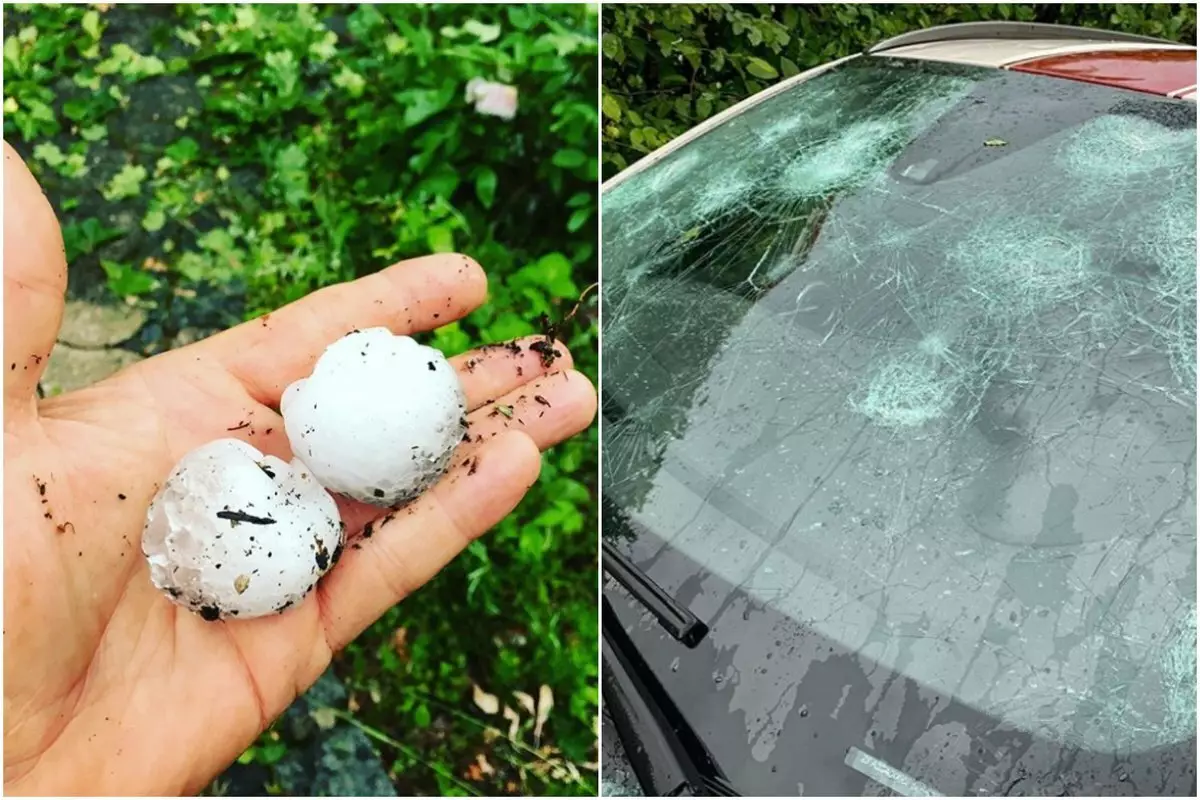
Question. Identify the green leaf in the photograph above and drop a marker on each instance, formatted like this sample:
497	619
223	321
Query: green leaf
49	153
126	183
271	752
569	159
218	240
610	43
440	239
283	71
610	107
125	281
91	24
520	18
81	238
483	32
154	220
12	53
578	218
421	104
187	37
94	133
351	81
761	69
485	186
395	44
324	48
789	67
182	150
451	339
551	272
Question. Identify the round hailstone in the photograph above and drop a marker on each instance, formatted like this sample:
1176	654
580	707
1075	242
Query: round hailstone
234	533
379	417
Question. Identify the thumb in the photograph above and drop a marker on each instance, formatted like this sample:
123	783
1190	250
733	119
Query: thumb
35	282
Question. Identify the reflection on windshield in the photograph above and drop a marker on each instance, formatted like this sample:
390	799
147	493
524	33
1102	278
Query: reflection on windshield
908	353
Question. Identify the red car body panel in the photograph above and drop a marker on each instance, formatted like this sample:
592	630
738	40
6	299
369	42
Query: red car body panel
1161	72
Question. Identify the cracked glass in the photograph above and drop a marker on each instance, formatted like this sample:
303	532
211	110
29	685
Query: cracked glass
906	353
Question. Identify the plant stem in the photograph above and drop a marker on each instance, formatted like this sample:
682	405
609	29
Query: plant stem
380	736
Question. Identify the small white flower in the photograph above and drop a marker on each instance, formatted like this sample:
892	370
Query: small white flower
492	99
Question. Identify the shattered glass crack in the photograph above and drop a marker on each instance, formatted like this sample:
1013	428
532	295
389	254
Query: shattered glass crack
941	394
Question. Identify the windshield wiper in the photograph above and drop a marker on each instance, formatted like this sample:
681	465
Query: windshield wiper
666	754
676	620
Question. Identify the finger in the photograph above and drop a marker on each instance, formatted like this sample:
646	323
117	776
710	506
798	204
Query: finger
268	353
548	410
35	282
569	407
415	543
494	370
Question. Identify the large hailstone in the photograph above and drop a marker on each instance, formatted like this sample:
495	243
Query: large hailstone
378	419
234	533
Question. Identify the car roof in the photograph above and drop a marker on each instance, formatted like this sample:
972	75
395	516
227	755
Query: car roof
1109	58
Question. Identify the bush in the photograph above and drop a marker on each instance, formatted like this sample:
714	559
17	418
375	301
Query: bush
669	67
211	162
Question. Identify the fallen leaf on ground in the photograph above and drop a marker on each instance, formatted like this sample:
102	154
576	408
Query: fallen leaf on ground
324	717
488	703
525	701
545	703
514	720
400	643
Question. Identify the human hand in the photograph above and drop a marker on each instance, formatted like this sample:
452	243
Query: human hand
108	687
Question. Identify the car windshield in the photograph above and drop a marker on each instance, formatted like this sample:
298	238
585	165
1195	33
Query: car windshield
906	352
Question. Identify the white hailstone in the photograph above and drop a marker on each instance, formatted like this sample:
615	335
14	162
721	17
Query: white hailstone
234	533
379	418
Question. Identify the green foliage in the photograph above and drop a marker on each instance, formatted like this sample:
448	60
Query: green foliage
669	67
212	162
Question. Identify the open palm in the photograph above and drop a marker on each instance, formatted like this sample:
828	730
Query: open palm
108	687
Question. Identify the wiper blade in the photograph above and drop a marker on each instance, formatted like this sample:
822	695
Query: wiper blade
665	752
676	620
